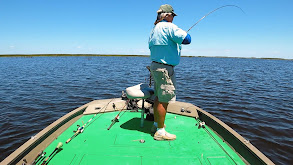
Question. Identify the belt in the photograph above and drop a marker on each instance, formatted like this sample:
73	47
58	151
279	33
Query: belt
163	64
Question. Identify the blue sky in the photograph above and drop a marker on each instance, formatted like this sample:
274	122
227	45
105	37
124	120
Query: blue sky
123	27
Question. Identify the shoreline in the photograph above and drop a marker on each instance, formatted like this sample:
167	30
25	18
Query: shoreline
120	55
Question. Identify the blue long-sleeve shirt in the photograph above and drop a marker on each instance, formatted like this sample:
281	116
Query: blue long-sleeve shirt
165	43
187	40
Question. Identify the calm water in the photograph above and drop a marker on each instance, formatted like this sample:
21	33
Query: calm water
253	96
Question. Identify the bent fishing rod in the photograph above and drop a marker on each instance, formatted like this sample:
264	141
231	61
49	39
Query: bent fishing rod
212	12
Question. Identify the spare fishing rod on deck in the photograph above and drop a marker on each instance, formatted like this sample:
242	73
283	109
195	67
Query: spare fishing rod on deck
58	147
212	12
116	119
80	129
38	157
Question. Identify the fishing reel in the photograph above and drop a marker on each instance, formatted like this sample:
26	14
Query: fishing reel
124	96
78	127
200	125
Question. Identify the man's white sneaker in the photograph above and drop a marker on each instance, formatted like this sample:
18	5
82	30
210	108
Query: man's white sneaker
167	136
154	128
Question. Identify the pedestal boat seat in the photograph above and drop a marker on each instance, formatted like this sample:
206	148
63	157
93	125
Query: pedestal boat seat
140	91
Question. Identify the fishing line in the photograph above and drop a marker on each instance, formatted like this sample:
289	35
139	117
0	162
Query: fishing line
212	12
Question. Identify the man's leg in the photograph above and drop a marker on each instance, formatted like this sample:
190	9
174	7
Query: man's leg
160	110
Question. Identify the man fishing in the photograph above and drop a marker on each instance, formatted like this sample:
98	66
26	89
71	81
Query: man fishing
165	47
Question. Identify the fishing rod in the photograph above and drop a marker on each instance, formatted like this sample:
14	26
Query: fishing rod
80	129
214	11
42	157
116	119
38	157
60	144
202	125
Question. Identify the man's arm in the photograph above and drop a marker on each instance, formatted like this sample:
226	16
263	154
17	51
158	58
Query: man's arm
187	40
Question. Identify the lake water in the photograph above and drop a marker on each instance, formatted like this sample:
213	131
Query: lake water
253	96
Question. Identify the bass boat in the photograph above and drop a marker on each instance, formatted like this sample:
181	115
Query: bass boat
118	131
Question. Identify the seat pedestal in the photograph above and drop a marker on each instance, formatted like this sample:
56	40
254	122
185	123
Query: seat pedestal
140	91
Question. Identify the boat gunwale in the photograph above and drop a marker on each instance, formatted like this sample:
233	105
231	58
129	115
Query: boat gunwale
245	149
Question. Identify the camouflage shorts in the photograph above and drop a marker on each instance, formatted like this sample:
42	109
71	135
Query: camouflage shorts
165	82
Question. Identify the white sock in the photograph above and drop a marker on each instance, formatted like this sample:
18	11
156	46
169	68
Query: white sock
156	124
161	131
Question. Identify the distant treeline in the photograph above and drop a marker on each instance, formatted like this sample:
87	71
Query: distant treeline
57	55
120	55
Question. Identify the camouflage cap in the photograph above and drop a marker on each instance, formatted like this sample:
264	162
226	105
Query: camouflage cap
166	9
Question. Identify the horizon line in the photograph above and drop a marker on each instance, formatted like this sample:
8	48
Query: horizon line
120	55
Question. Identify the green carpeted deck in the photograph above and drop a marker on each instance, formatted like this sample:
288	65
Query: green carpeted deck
121	145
